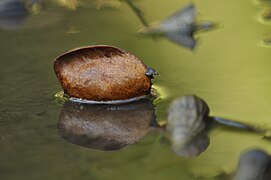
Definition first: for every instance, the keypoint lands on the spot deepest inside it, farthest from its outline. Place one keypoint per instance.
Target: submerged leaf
(179, 27)
(182, 21)
(187, 41)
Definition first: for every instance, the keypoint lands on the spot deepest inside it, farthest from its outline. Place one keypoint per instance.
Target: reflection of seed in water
(105, 127)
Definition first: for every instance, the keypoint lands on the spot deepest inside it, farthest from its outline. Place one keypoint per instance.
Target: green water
(229, 68)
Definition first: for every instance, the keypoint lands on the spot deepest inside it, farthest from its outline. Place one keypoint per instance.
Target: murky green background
(229, 68)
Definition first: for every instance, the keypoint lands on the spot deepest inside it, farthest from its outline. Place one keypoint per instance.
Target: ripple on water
(266, 41)
(157, 93)
(264, 15)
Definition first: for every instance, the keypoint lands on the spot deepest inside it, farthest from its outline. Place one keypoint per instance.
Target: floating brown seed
(102, 73)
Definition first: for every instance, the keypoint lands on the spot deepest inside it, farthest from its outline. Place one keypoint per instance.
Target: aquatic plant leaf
(179, 27)
(181, 21)
(185, 40)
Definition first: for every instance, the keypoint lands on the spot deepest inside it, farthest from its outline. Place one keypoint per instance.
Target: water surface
(229, 68)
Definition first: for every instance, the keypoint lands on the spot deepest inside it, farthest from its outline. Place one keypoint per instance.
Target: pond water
(229, 69)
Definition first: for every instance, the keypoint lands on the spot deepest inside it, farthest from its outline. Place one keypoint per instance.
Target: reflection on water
(179, 27)
(112, 127)
(105, 127)
(262, 2)
(97, 4)
(69, 4)
(253, 165)
(108, 4)
(15, 14)
(189, 124)
(12, 14)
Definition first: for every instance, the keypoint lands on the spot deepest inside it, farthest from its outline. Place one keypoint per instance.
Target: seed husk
(102, 73)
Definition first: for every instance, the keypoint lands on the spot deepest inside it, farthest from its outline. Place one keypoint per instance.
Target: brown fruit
(102, 73)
